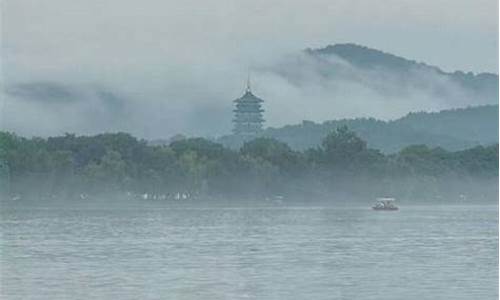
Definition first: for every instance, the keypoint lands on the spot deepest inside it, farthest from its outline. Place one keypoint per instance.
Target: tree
(277, 153)
(108, 174)
(341, 146)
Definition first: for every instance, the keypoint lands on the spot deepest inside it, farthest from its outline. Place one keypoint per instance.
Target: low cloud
(160, 68)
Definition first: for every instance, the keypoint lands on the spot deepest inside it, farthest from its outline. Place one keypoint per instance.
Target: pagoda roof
(248, 97)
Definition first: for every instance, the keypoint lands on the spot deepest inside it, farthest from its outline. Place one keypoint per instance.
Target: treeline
(342, 166)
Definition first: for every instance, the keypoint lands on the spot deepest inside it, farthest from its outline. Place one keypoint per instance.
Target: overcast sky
(161, 48)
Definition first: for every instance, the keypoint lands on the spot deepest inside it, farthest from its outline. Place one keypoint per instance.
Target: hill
(454, 129)
(480, 88)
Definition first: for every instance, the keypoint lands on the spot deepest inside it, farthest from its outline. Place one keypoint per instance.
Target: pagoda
(248, 118)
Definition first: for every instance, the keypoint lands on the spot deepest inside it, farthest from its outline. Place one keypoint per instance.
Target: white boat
(385, 204)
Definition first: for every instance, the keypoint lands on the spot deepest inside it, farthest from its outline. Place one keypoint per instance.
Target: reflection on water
(158, 252)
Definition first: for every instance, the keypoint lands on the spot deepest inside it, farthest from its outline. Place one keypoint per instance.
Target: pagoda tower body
(248, 118)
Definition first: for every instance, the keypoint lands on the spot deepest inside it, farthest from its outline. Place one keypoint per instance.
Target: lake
(165, 251)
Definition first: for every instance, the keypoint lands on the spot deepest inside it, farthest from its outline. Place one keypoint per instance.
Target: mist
(163, 68)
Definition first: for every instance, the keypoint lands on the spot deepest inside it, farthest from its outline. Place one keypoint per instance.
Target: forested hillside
(453, 130)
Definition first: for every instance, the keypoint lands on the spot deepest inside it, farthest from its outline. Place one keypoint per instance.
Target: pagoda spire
(248, 89)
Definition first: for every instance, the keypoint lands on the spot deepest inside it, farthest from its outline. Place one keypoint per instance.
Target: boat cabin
(385, 204)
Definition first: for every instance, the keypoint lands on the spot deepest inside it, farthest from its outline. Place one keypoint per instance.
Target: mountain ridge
(470, 88)
(363, 56)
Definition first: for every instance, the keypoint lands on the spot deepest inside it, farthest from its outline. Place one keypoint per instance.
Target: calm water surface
(167, 252)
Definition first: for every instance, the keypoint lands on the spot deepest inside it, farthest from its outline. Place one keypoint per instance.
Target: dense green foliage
(342, 165)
